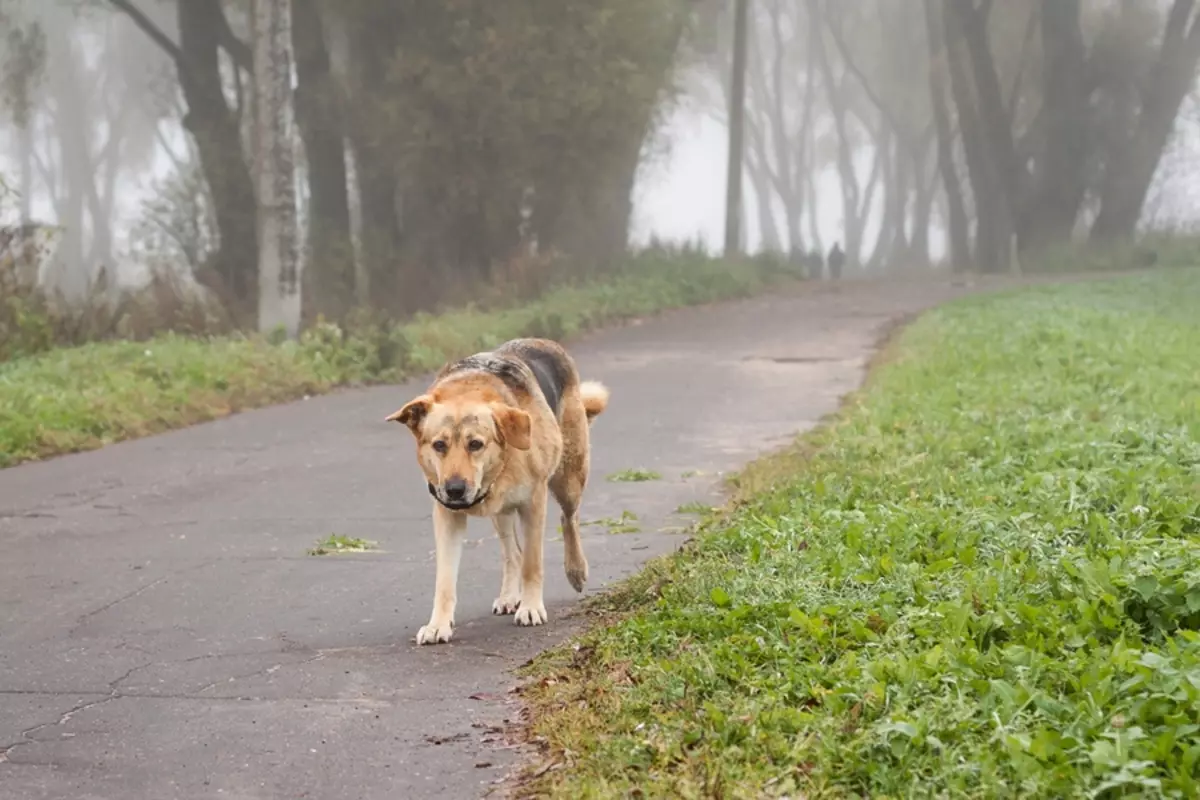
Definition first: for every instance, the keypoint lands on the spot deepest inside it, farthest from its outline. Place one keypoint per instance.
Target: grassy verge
(1162, 249)
(83, 398)
(981, 581)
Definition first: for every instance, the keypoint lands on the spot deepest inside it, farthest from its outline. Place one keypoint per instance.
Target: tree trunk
(278, 272)
(330, 270)
(75, 166)
(817, 241)
(845, 154)
(992, 226)
(760, 179)
(210, 121)
(957, 212)
(1131, 168)
(856, 227)
(786, 152)
(898, 196)
(926, 188)
(1061, 180)
(995, 131)
(371, 46)
(25, 155)
(956, 209)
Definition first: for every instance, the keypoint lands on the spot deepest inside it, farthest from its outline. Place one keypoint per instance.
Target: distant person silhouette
(835, 261)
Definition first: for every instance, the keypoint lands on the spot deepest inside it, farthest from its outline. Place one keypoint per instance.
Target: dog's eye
(439, 447)
(475, 445)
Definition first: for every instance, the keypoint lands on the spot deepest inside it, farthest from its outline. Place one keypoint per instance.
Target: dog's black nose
(455, 489)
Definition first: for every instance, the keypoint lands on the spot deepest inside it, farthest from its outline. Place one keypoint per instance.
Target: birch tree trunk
(278, 250)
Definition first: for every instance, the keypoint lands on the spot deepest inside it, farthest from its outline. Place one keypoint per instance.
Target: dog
(496, 433)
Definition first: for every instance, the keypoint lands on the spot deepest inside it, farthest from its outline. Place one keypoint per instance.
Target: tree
(320, 110)
(204, 34)
(1130, 167)
(1088, 128)
(278, 267)
(952, 188)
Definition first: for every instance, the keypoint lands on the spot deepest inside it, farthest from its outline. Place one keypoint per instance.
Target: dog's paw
(530, 614)
(503, 606)
(435, 633)
(577, 575)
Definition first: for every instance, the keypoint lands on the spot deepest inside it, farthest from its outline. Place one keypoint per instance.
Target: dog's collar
(478, 498)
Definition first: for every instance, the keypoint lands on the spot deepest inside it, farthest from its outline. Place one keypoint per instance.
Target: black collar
(479, 498)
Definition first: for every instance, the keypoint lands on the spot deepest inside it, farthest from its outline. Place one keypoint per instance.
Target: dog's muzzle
(456, 503)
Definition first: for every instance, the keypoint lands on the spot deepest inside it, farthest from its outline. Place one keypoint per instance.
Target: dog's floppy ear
(514, 425)
(413, 413)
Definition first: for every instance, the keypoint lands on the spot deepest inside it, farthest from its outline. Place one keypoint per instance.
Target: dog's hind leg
(510, 548)
(568, 491)
(533, 520)
(567, 485)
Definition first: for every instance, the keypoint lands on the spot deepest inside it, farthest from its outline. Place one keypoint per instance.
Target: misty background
(261, 163)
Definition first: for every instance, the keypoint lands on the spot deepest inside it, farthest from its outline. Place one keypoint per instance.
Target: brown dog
(494, 432)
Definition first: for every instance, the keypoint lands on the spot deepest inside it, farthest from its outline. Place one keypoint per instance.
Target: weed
(634, 476)
(336, 543)
(626, 523)
(695, 508)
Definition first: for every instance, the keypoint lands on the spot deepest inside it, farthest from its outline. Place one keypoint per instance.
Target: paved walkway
(164, 635)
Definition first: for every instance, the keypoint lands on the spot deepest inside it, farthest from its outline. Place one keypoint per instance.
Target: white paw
(435, 633)
(530, 614)
(504, 605)
(577, 576)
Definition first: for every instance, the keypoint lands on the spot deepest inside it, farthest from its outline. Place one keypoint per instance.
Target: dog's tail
(595, 398)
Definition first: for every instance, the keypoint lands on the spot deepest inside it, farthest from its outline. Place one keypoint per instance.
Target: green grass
(337, 543)
(83, 398)
(1162, 249)
(982, 580)
(626, 523)
(636, 475)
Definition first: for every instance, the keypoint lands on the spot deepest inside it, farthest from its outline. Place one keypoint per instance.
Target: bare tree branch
(1018, 79)
(848, 59)
(152, 30)
(238, 50)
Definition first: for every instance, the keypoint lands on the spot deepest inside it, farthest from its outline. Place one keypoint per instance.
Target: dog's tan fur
(490, 426)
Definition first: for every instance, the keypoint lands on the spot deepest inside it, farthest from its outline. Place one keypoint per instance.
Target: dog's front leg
(533, 520)
(510, 548)
(448, 530)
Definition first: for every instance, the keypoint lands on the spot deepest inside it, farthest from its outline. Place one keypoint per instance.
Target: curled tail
(595, 398)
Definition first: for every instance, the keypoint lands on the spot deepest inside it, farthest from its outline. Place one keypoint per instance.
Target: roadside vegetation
(79, 398)
(979, 581)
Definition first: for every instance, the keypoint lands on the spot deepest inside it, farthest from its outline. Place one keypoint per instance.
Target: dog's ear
(413, 413)
(515, 426)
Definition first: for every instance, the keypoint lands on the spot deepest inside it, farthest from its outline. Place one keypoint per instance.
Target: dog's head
(462, 444)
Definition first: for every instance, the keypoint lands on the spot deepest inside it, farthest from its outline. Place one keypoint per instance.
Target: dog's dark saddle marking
(546, 367)
(550, 372)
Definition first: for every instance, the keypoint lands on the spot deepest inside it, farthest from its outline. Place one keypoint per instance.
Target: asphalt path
(164, 633)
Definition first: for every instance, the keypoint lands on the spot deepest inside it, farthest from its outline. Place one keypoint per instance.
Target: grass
(980, 581)
(336, 543)
(82, 398)
(637, 475)
(626, 523)
(1163, 249)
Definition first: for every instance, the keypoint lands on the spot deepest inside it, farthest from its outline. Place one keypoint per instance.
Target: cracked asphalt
(163, 633)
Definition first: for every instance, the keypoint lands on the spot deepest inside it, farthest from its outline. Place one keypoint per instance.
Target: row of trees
(403, 149)
(1020, 123)
(436, 141)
